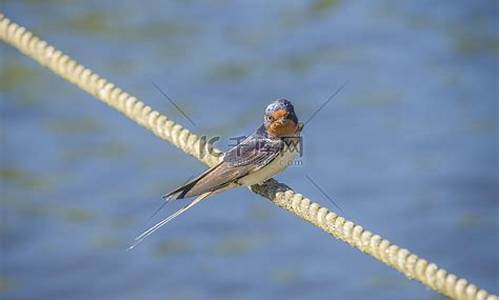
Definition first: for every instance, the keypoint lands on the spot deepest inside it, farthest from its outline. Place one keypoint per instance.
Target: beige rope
(372, 244)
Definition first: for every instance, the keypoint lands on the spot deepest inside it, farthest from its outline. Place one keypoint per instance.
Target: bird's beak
(280, 114)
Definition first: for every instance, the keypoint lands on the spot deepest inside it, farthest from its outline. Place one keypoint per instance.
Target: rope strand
(280, 194)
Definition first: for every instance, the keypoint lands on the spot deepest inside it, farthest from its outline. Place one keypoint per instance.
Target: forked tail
(158, 225)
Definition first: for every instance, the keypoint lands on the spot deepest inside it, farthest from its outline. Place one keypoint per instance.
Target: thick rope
(372, 244)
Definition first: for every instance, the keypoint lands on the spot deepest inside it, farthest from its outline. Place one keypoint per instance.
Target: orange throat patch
(278, 129)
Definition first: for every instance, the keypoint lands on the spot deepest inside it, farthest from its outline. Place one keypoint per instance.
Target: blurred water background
(409, 148)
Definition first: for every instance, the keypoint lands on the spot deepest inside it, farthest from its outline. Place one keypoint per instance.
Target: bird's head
(280, 119)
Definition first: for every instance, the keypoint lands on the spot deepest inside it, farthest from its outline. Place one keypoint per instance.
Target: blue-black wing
(254, 151)
(250, 155)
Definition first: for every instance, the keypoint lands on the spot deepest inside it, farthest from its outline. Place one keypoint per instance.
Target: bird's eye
(269, 118)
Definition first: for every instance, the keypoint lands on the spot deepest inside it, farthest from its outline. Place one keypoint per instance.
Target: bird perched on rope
(265, 153)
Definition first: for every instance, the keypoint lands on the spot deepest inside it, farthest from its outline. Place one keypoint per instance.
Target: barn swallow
(257, 158)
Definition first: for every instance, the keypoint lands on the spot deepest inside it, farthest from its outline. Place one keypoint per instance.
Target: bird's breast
(276, 166)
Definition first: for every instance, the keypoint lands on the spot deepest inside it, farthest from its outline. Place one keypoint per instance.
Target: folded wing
(250, 155)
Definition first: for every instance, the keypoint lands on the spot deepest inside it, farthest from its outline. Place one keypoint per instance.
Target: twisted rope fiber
(372, 244)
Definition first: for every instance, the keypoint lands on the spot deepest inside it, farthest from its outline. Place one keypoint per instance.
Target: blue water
(409, 149)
